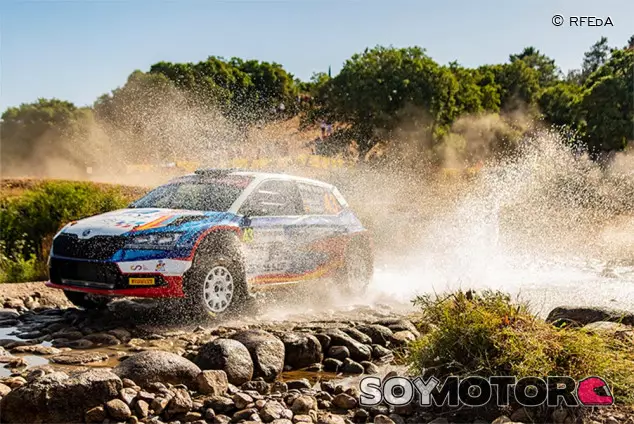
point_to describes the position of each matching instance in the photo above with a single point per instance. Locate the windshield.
(201, 195)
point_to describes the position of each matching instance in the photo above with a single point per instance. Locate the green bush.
(487, 334)
(29, 221)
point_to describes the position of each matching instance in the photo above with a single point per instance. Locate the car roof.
(258, 175)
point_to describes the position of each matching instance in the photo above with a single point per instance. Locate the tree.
(561, 105)
(595, 57)
(43, 128)
(608, 104)
(545, 66)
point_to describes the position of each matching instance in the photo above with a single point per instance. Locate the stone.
(267, 353)
(95, 415)
(271, 411)
(228, 355)
(338, 352)
(352, 367)
(158, 366)
(118, 409)
(212, 382)
(379, 334)
(301, 350)
(344, 401)
(303, 404)
(56, 398)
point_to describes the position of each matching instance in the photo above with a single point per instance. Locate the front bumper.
(148, 278)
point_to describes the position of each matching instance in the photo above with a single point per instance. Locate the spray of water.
(544, 223)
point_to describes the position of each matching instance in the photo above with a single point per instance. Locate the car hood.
(125, 221)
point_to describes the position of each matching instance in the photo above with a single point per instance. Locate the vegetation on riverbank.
(30, 217)
(488, 334)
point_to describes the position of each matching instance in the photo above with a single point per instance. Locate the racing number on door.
(247, 235)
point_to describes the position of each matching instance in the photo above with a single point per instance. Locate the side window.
(318, 200)
(273, 198)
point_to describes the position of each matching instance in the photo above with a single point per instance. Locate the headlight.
(152, 241)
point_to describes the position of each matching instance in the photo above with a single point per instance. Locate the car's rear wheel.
(358, 269)
(86, 300)
(216, 284)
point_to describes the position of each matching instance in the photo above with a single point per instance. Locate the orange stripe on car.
(153, 224)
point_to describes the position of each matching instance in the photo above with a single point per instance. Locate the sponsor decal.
(475, 391)
(133, 281)
(160, 266)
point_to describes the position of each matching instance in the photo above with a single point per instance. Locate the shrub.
(29, 221)
(487, 334)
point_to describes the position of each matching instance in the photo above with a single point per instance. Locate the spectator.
(329, 130)
(323, 129)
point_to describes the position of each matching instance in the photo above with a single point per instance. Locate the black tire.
(87, 301)
(358, 269)
(218, 259)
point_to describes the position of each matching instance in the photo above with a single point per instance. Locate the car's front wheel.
(216, 284)
(86, 300)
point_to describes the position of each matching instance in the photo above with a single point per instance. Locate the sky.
(79, 50)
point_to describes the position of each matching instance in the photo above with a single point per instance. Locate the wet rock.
(95, 415)
(271, 411)
(212, 382)
(352, 367)
(160, 403)
(103, 339)
(327, 386)
(180, 403)
(15, 382)
(220, 404)
(383, 419)
(158, 366)
(358, 335)
(301, 350)
(299, 384)
(122, 334)
(584, 316)
(379, 334)
(74, 344)
(361, 416)
(502, 420)
(242, 400)
(332, 365)
(128, 394)
(228, 355)
(381, 353)
(369, 367)
(141, 408)
(4, 389)
(57, 398)
(267, 353)
(329, 418)
(221, 419)
(399, 325)
(36, 350)
(243, 414)
(279, 387)
(324, 341)
(358, 351)
(260, 386)
(209, 414)
(8, 313)
(403, 337)
(118, 410)
(68, 334)
(303, 404)
(338, 352)
(13, 361)
(302, 418)
(344, 401)
(75, 358)
(282, 421)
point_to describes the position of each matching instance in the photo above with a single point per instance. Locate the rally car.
(214, 237)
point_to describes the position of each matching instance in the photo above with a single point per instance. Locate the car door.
(271, 209)
(322, 231)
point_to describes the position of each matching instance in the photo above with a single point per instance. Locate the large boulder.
(267, 353)
(227, 355)
(358, 351)
(57, 398)
(584, 316)
(301, 350)
(379, 334)
(155, 366)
